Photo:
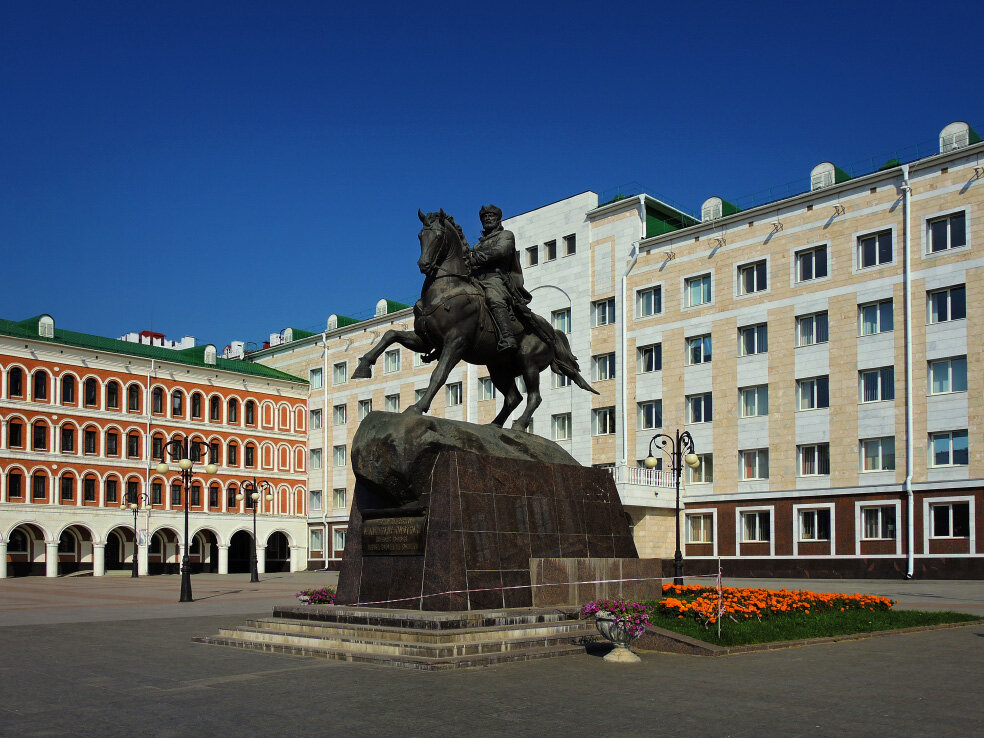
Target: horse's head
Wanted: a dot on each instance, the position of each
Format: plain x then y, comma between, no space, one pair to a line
437,238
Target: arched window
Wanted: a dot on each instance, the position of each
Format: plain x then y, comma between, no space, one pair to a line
15,382
90,440
232,454
40,385
177,403
89,489
39,436
250,412
68,390
249,455
112,489
133,445
133,398
232,410
39,486
231,502
91,392
67,439
157,401
112,443
214,408
15,486
213,496
196,405
157,447
67,488
15,434
113,395
214,448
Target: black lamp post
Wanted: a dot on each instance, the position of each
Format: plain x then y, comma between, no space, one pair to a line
186,452
681,451
255,489
133,500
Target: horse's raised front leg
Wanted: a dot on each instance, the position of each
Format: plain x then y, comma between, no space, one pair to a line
505,382
405,338
454,349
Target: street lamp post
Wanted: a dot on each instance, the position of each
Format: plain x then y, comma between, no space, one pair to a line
681,451
255,489
186,452
133,500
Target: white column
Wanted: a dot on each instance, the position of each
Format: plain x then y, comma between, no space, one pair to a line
3,559
297,562
51,558
261,559
143,559
98,559
223,558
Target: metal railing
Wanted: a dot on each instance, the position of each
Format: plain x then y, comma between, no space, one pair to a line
641,476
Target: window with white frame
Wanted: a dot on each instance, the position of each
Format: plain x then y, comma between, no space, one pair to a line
418,395
314,499
948,448
392,403
812,393
878,523
603,421
948,375
570,245
315,419
650,414
697,290
649,358
550,247
704,473
391,361
876,385
486,389
418,360
338,455
561,320
315,378
339,373
874,249
339,539
700,528
649,302
532,256
947,304
813,460
339,498
811,263
699,408
315,458
559,380
755,526
364,408
875,317
560,427
454,394
339,414
948,232
753,277
755,401
603,312
603,367
317,539
699,349
811,329
950,519
753,339
878,454
754,464
814,525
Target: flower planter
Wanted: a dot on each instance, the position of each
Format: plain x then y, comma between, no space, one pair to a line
619,635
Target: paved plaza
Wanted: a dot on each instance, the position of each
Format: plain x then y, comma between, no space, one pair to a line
113,656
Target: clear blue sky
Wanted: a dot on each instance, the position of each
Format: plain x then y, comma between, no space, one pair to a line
227,169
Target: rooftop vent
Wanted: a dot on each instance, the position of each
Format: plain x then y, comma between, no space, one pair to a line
714,208
210,354
46,326
826,174
332,322
956,136
381,308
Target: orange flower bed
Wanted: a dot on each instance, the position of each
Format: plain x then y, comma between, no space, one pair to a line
701,603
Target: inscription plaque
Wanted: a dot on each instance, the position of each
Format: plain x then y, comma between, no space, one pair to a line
394,536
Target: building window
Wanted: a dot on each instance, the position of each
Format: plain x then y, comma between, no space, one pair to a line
112,490
755,401
649,358
699,408
813,393
950,520
649,302
112,443
133,398
338,455
15,489
875,317
249,456
948,304
486,389
700,528
698,349
156,493
250,412
878,454
948,232
650,414
559,380
39,487
232,410
878,523
177,403
755,527
418,394
213,496
132,446
156,400
560,427
704,473
40,385
948,375
532,256
755,464
697,290
196,495
196,405
39,437
156,447
339,498
339,415
15,434
876,385
68,390
875,249
315,462
811,329
89,441
67,488
232,504
811,263
603,421
364,408
454,394
753,339
232,454
603,312
175,494
89,489
339,373
550,247
213,453
68,439
570,245
317,540
339,539
15,382
753,277
316,378
561,320
948,449
813,460
315,421
391,361
602,367
392,403
814,525
314,499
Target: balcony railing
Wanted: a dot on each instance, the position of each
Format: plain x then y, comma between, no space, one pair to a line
625,474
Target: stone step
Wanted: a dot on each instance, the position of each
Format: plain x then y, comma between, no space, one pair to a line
424,619
409,662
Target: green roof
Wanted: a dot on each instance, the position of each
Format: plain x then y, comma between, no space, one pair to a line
392,306
343,320
195,356
299,333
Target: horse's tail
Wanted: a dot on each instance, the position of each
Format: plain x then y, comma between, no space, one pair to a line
564,361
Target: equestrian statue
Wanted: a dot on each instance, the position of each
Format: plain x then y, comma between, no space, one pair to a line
473,307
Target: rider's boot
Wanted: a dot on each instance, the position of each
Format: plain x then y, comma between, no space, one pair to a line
500,315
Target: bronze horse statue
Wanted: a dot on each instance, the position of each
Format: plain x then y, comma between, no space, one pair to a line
451,323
